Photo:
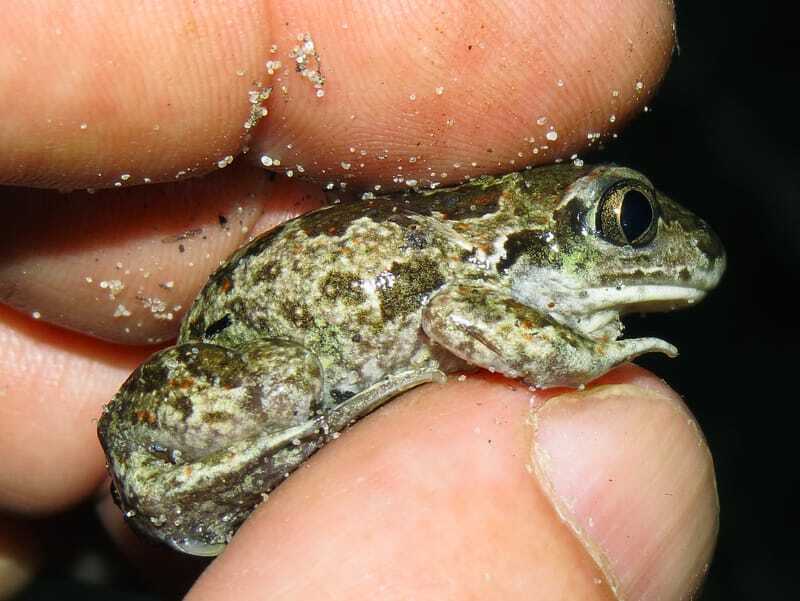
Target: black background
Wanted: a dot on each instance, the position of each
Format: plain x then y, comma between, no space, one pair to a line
721,138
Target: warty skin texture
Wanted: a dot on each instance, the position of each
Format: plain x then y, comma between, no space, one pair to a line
316,323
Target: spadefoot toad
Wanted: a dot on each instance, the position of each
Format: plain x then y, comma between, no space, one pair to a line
314,324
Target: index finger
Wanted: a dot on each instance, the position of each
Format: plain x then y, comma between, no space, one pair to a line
414,92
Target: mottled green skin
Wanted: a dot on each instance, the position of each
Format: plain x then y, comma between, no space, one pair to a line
314,324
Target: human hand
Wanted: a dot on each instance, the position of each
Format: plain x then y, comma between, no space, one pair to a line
477,488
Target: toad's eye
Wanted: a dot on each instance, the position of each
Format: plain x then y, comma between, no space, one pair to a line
627,214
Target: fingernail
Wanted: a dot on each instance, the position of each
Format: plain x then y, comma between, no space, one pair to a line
628,470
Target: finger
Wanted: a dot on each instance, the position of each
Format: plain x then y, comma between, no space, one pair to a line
52,387
465,491
155,91
126,266
433,93
441,90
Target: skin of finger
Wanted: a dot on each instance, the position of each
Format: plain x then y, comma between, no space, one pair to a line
52,387
409,84
636,482
438,92
429,498
124,266
154,90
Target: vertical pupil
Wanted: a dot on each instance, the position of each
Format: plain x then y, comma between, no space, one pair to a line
636,215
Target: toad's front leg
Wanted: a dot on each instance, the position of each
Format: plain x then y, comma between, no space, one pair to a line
488,328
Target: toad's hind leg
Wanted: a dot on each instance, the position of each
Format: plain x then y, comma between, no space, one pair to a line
366,401
200,432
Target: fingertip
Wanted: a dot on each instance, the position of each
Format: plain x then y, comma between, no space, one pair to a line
52,387
628,469
116,94
630,373
461,90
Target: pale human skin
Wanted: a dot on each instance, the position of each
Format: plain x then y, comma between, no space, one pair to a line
450,492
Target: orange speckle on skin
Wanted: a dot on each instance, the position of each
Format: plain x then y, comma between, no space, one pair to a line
144,415
183,383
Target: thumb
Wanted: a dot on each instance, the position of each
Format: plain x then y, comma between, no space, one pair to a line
628,470
465,491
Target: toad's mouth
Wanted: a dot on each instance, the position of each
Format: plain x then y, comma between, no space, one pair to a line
640,298
569,297
596,311
599,303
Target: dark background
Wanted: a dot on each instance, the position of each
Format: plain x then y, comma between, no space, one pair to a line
722,138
